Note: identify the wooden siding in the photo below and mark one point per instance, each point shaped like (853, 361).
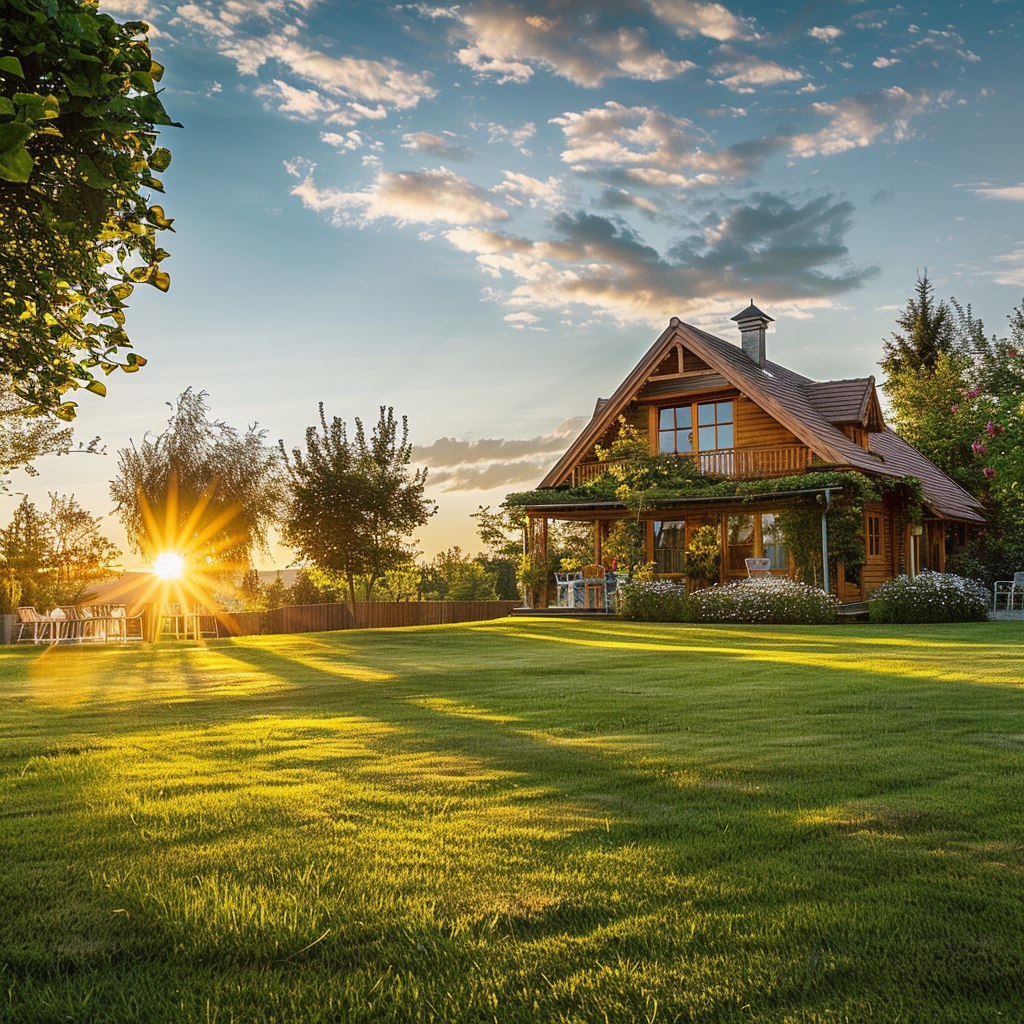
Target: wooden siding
(757, 429)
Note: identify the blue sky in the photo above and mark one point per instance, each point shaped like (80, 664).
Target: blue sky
(483, 213)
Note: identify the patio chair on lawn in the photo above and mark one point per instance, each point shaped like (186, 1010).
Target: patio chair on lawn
(758, 566)
(1009, 592)
(201, 622)
(42, 627)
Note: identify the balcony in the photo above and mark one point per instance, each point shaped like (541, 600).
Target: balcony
(734, 463)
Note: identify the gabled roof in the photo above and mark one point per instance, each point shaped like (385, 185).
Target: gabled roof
(808, 409)
(842, 401)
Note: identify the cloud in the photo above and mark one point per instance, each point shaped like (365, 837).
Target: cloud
(522, 190)
(460, 465)
(517, 137)
(349, 141)
(743, 72)
(825, 33)
(442, 145)
(620, 199)
(711, 20)
(304, 104)
(884, 62)
(1011, 269)
(858, 121)
(304, 81)
(407, 197)
(646, 146)
(1014, 192)
(585, 41)
(788, 251)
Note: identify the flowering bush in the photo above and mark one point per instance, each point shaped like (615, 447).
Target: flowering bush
(772, 599)
(930, 597)
(653, 601)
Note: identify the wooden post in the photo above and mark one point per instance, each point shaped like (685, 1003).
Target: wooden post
(597, 542)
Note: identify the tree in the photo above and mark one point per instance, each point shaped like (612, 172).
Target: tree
(452, 576)
(353, 502)
(24, 437)
(929, 331)
(59, 555)
(79, 162)
(200, 489)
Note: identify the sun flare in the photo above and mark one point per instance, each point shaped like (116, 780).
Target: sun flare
(169, 565)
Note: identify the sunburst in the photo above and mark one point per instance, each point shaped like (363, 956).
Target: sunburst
(187, 558)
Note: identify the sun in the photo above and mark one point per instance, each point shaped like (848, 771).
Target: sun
(169, 565)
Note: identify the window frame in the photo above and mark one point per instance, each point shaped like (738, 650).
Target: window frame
(694, 428)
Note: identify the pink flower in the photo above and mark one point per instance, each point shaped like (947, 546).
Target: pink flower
(974, 392)
(988, 472)
(993, 429)
(1012, 353)
(978, 448)
(954, 408)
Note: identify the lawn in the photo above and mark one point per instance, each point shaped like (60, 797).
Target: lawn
(523, 820)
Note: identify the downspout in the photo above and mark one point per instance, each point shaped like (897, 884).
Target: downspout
(824, 539)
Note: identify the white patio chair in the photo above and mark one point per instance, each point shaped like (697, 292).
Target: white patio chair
(1009, 592)
(42, 626)
(758, 566)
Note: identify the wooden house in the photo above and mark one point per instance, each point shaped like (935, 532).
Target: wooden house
(740, 416)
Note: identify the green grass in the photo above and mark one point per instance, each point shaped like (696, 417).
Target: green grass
(524, 820)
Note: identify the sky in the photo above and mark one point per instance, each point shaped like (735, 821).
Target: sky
(484, 213)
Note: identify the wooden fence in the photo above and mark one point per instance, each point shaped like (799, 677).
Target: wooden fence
(317, 618)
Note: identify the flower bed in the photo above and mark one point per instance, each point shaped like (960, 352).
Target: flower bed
(767, 599)
(930, 597)
(653, 601)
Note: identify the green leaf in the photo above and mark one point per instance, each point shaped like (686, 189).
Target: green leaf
(140, 274)
(11, 66)
(122, 290)
(6, 106)
(91, 174)
(160, 279)
(160, 159)
(97, 387)
(16, 162)
(66, 411)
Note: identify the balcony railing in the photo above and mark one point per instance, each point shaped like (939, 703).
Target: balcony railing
(735, 463)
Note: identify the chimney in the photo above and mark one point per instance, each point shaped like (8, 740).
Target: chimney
(752, 324)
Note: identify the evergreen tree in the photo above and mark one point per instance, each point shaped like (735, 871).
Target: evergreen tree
(928, 330)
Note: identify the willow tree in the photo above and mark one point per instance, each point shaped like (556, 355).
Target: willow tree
(79, 163)
(200, 489)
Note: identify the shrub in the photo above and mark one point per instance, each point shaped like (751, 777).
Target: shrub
(653, 601)
(765, 599)
(930, 597)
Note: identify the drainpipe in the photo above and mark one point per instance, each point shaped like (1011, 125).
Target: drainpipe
(824, 539)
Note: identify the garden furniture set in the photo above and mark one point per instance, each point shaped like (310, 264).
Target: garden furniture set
(98, 623)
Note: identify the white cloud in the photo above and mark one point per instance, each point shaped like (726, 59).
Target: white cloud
(522, 190)
(407, 197)
(1011, 271)
(743, 72)
(647, 146)
(1015, 192)
(349, 141)
(825, 33)
(305, 104)
(711, 20)
(443, 144)
(583, 43)
(884, 62)
(858, 121)
(517, 137)
(485, 463)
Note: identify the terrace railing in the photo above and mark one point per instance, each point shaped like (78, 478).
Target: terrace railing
(734, 463)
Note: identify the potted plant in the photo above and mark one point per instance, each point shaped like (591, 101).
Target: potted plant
(10, 597)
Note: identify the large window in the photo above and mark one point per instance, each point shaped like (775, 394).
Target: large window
(669, 546)
(739, 542)
(773, 544)
(874, 535)
(714, 427)
(756, 535)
